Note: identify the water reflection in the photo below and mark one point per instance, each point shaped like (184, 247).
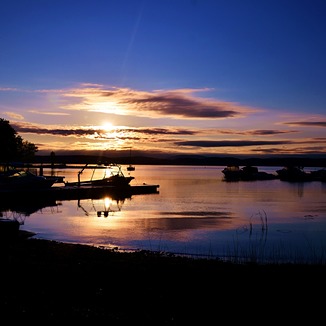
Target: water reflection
(20, 208)
(25, 208)
(194, 213)
(106, 206)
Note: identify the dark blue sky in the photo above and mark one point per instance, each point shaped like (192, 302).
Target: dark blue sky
(204, 72)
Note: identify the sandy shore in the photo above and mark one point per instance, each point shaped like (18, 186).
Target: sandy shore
(54, 281)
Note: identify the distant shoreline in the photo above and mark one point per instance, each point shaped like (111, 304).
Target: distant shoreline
(62, 160)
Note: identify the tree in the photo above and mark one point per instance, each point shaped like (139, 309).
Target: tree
(12, 146)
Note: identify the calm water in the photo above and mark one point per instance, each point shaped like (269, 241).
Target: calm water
(196, 213)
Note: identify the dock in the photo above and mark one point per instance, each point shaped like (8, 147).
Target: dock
(76, 193)
(83, 192)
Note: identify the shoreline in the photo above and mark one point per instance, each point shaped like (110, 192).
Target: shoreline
(53, 280)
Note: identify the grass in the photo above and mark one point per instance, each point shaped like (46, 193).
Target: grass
(256, 250)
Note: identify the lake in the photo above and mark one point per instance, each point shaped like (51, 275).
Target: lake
(195, 213)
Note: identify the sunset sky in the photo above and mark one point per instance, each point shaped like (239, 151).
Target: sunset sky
(204, 77)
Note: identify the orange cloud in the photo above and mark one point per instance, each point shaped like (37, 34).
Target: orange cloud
(175, 104)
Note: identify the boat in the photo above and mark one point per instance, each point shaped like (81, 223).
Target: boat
(246, 173)
(293, 173)
(55, 178)
(319, 175)
(15, 179)
(130, 167)
(232, 172)
(113, 177)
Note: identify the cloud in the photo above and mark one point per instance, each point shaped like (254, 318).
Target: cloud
(48, 113)
(179, 103)
(258, 132)
(203, 124)
(230, 143)
(173, 104)
(125, 133)
(164, 131)
(36, 129)
(319, 139)
(13, 115)
(8, 89)
(307, 123)
(291, 151)
(26, 127)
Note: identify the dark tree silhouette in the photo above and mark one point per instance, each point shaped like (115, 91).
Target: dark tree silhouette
(12, 146)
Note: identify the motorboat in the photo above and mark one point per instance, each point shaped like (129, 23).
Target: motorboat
(293, 173)
(246, 173)
(318, 175)
(15, 180)
(113, 177)
(232, 172)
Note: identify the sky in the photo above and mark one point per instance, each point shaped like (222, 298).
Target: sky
(165, 77)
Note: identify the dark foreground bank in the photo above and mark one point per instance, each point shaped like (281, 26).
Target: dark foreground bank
(50, 281)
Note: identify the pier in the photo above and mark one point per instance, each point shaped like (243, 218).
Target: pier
(75, 193)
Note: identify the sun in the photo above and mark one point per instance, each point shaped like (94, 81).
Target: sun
(107, 126)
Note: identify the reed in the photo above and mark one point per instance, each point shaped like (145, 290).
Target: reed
(254, 251)
(257, 251)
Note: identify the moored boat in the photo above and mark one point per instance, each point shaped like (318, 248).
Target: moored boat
(297, 173)
(232, 172)
(15, 180)
(318, 175)
(113, 177)
(130, 168)
(246, 173)
(293, 173)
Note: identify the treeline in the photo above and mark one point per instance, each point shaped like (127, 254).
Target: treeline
(12, 146)
(184, 160)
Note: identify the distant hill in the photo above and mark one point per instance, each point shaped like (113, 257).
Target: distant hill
(185, 160)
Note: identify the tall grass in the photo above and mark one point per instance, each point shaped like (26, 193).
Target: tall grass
(257, 251)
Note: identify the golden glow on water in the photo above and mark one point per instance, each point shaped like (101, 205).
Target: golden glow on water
(107, 203)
